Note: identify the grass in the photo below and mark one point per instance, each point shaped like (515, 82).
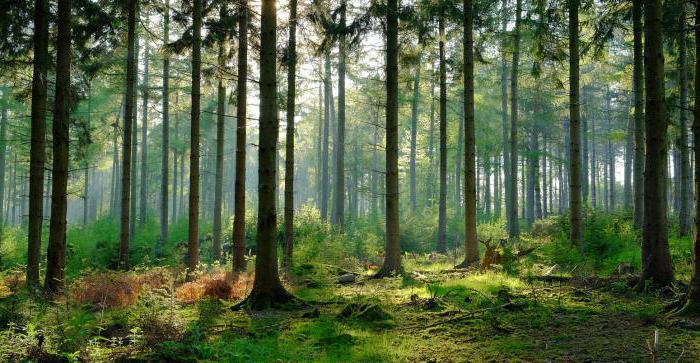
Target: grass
(151, 313)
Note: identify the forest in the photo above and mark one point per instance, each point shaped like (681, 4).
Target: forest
(349, 180)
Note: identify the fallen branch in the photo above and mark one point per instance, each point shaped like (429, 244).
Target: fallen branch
(462, 317)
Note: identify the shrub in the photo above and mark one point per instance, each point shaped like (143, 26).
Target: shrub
(220, 285)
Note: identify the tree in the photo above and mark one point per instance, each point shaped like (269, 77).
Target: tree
(289, 148)
(638, 88)
(220, 118)
(514, 228)
(504, 117)
(656, 257)
(442, 207)
(574, 127)
(37, 157)
(165, 151)
(471, 247)
(193, 234)
(239, 263)
(144, 139)
(685, 178)
(392, 253)
(692, 305)
(124, 232)
(339, 198)
(268, 290)
(414, 131)
(56, 252)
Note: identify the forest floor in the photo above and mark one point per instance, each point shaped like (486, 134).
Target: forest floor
(431, 314)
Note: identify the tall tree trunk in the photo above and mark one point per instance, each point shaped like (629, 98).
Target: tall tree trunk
(584, 154)
(471, 247)
(545, 211)
(638, 86)
(574, 127)
(289, 152)
(536, 176)
(414, 131)
(442, 208)
(86, 164)
(326, 130)
(220, 118)
(124, 232)
(392, 253)
(508, 184)
(144, 139)
(165, 148)
(531, 176)
(692, 305)
(374, 190)
(56, 252)
(431, 139)
(656, 258)
(458, 157)
(629, 151)
(514, 228)
(37, 157)
(134, 135)
(594, 168)
(685, 177)
(193, 234)
(319, 144)
(239, 263)
(339, 185)
(267, 288)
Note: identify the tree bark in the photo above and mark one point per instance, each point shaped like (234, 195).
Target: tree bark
(124, 233)
(514, 228)
(193, 234)
(692, 305)
(165, 148)
(574, 127)
(144, 139)
(638, 87)
(339, 198)
(289, 147)
(414, 142)
(37, 157)
(326, 131)
(56, 252)
(239, 262)
(442, 207)
(392, 253)
(508, 184)
(656, 258)
(458, 157)
(220, 128)
(267, 288)
(685, 178)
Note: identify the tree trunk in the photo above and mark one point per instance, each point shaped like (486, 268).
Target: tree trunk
(267, 288)
(165, 151)
(414, 131)
(392, 253)
(629, 151)
(584, 153)
(574, 127)
(220, 118)
(692, 306)
(508, 184)
(536, 176)
(514, 228)
(531, 176)
(56, 252)
(193, 234)
(144, 140)
(594, 168)
(545, 211)
(326, 130)
(339, 199)
(458, 157)
(124, 233)
(37, 157)
(638, 86)
(656, 258)
(442, 208)
(685, 178)
(431, 140)
(471, 247)
(289, 152)
(239, 262)
(134, 137)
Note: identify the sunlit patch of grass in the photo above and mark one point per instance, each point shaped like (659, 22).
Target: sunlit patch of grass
(488, 282)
